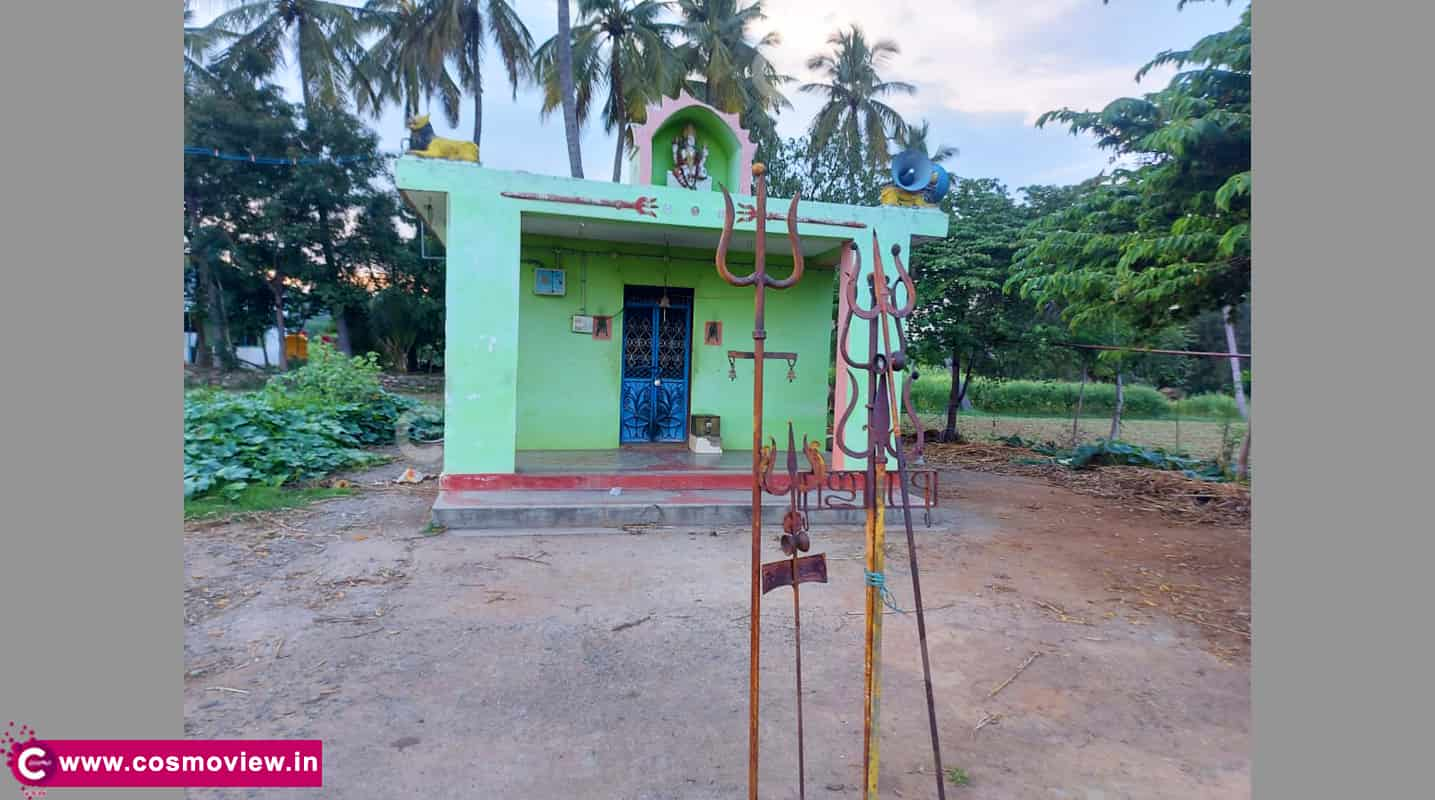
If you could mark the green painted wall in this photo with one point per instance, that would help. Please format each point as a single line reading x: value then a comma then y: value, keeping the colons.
x: 481, y: 333
x: 721, y: 142
x: 568, y: 384
x: 486, y: 293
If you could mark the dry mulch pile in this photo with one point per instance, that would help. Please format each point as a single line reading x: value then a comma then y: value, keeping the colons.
x: 1168, y: 493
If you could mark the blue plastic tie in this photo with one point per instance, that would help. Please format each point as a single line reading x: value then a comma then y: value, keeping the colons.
x: 879, y: 580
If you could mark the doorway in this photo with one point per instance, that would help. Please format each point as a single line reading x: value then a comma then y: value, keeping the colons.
x: 657, y: 356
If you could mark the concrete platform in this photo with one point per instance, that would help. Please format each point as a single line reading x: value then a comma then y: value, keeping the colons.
x: 544, y: 511
x: 631, y: 467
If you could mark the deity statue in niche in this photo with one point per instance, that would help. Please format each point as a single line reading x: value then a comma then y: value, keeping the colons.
x: 690, y: 160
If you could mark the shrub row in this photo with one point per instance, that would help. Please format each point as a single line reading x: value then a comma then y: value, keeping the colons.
x: 1058, y: 398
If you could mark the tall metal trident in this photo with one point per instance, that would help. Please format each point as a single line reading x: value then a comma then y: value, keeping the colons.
x: 884, y: 438
x: 762, y: 281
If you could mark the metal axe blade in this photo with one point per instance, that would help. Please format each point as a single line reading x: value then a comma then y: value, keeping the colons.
x: 790, y: 571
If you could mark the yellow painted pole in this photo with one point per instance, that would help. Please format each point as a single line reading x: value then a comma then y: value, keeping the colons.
x: 876, y: 560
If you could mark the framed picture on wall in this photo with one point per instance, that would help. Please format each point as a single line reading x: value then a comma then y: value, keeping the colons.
x: 603, y: 328
x: 712, y: 332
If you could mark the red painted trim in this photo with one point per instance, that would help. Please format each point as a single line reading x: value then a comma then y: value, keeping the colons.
x: 645, y: 206
x: 747, y: 213
x: 471, y: 482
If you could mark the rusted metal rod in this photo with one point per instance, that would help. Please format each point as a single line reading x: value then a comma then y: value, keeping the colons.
x: 895, y: 361
x: 761, y: 281
x: 885, y: 410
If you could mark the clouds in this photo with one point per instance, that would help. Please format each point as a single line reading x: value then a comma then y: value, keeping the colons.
x: 988, y: 56
x: 985, y: 70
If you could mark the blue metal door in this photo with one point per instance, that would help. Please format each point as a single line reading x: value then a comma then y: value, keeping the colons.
x: 656, y: 347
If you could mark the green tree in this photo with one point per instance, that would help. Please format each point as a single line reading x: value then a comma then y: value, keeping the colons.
x: 338, y: 188
x: 964, y: 318
x: 407, y: 310
x: 725, y: 68
x: 226, y: 200
x: 1169, y: 239
x: 854, y: 111
x: 326, y: 40
x: 914, y: 137
x: 834, y: 173
x: 625, y: 46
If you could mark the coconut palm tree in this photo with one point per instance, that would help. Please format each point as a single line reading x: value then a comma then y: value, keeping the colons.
x: 726, y: 69
x: 462, y: 30
x: 324, y: 38
x: 199, y: 42
x: 914, y: 137
x: 853, y: 110
x: 624, y: 45
x: 564, y: 58
x: 408, y: 62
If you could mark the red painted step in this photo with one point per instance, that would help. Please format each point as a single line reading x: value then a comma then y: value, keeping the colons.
x: 710, y: 479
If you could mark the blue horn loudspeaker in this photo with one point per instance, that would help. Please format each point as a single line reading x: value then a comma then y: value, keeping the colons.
x: 912, y: 171
x: 939, y: 187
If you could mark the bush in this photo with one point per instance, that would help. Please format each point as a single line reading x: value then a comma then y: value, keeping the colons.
x: 932, y: 390
x: 1058, y: 398
x: 1214, y: 406
x: 1038, y: 398
x: 330, y: 376
x: 304, y: 424
x: 233, y: 440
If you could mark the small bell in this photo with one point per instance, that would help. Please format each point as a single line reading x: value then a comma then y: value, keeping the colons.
x: 791, y: 371
x: 731, y: 368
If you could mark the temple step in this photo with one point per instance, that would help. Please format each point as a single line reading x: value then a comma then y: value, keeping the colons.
x: 538, y: 512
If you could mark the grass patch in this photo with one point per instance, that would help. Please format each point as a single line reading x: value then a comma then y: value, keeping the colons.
x: 1204, y: 439
x: 958, y: 776
x: 1059, y: 398
x: 256, y: 497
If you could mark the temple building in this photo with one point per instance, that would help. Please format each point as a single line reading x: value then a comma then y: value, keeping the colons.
x: 588, y: 332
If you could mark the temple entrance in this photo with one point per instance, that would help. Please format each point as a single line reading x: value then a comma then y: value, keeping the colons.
x: 657, y: 353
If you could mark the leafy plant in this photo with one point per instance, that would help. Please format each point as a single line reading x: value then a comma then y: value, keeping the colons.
x: 330, y: 376
x: 234, y: 440
x: 304, y: 424
x: 1118, y: 453
x: 958, y: 776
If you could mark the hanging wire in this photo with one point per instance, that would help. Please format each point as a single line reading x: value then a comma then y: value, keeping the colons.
x: 277, y: 160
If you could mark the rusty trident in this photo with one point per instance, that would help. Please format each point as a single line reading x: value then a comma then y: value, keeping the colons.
x: 759, y: 279
x: 795, y: 569
x: 884, y: 438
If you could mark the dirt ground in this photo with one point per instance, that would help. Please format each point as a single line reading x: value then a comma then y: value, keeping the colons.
x: 615, y: 665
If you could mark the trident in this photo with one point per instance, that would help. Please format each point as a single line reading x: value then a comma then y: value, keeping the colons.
x: 762, y: 281
x: 884, y: 437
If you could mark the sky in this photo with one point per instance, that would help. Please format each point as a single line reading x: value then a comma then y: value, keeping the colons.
x: 984, y: 70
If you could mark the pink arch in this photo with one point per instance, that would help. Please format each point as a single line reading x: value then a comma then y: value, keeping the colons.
x: 643, y: 135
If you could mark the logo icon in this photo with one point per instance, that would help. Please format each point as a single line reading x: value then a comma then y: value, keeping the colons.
x: 30, y: 760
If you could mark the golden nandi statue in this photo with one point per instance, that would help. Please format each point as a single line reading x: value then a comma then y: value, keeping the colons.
x: 424, y: 143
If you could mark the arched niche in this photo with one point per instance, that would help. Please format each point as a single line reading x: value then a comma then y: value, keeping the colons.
x: 729, y: 148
